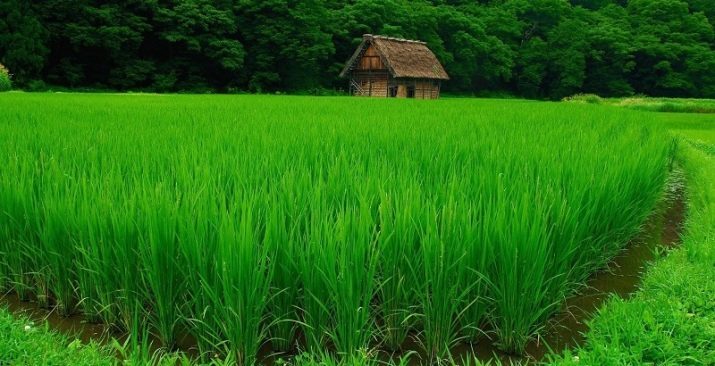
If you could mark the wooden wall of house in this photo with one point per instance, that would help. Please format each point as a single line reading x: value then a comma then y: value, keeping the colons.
x: 372, y: 84
x: 371, y: 60
x: 423, y: 89
x: 370, y: 75
x: 378, y: 83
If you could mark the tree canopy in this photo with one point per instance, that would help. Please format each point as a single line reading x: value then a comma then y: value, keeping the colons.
x: 531, y: 48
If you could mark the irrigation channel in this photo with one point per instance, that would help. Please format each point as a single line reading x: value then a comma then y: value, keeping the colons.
x: 661, y: 232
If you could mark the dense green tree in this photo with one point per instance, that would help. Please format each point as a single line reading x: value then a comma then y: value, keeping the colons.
x: 475, y: 59
x: 95, y: 42
x: 669, y: 43
x: 22, y: 40
x: 609, y: 56
x: 568, y: 43
x: 532, y: 48
x: 289, y: 41
x: 196, y: 44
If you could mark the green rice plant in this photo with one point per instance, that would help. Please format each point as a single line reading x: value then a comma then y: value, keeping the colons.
x: 331, y: 225
x: 57, y: 243
x: 124, y: 282
x: 478, y: 260
x: 521, y: 278
x: 198, y: 240
x: 353, y: 288
x: 283, y: 238
x: 89, y: 262
x: 442, y: 296
x: 239, y: 297
x: 159, y: 252
x: 397, y: 241
x: 8, y: 252
x: 98, y: 284
x: 18, y: 242
x: 316, y: 266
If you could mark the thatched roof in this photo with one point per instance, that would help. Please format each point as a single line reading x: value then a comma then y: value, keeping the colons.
x: 404, y: 58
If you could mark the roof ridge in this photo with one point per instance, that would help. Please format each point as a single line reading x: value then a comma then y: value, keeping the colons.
x: 375, y: 36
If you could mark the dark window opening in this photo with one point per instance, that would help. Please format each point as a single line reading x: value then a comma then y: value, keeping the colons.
x: 410, y: 91
x: 393, y: 91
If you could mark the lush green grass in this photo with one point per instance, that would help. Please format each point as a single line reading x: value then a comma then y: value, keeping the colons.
x: 671, y: 321
x: 23, y: 342
x: 359, y: 222
x: 673, y: 105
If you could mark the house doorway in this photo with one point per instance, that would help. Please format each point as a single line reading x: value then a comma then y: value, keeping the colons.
x: 392, y: 91
x: 410, y: 91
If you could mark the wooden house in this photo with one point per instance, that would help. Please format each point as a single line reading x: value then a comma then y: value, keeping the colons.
x: 395, y: 68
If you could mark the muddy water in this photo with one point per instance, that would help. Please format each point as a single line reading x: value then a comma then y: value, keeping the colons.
x: 73, y: 325
x: 622, y: 276
x: 565, y: 329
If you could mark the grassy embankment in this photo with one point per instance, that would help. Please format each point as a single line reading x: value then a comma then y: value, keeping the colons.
x: 673, y: 105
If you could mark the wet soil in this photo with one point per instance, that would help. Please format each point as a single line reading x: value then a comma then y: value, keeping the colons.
x: 621, y: 277
x: 566, y: 329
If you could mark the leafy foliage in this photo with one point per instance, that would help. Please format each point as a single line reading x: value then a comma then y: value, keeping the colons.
x: 5, y: 82
x: 542, y: 49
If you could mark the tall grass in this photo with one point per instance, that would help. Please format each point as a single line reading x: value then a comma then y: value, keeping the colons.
x: 397, y: 241
x: 323, y: 224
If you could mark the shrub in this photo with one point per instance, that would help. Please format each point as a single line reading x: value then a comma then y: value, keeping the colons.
x: 584, y: 98
x: 5, y: 82
x: 36, y: 86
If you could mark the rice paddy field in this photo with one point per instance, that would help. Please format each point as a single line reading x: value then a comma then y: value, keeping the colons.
x: 324, y: 225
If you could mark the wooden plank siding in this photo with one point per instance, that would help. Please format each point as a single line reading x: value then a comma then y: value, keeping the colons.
x: 371, y: 78
x: 371, y: 75
x: 371, y: 60
x: 423, y: 89
x: 373, y: 84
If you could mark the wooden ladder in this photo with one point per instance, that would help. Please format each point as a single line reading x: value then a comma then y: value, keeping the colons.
x: 356, y: 88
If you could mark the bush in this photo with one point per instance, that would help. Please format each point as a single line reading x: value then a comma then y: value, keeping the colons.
x: 584, y: 98
x: 5, y: 82
x: 36, y: 86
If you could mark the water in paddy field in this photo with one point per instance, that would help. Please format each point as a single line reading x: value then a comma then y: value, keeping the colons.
x: 621, y: 277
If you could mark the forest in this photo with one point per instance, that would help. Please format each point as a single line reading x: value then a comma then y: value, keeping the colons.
x: 529, y: 48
